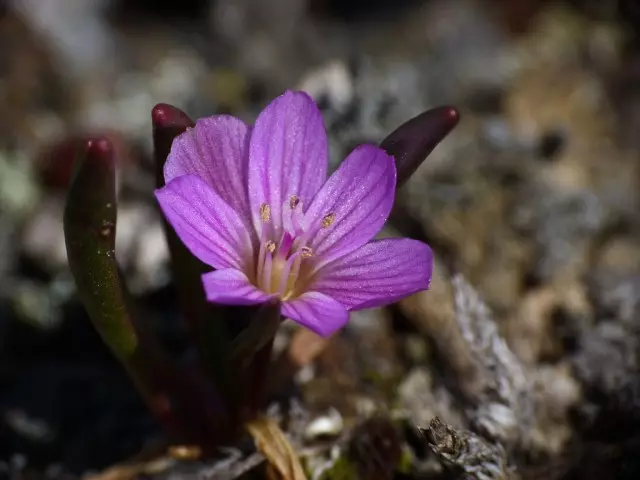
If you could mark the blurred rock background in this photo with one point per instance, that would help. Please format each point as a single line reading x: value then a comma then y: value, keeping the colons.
x: 530, y: 336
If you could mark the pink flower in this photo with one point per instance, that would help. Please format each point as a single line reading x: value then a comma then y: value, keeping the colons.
x: 256, y: 205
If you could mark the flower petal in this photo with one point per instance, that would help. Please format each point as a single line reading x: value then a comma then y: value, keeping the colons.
x: 381, y: 272
x: 288, y: 155
x: 232, y: 287
x: 216, y: 150
x: 318, y: 312
x: 358, y: 198
x: 205, y: 223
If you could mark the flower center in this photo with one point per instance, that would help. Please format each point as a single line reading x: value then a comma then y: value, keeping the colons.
x: 285, y: 265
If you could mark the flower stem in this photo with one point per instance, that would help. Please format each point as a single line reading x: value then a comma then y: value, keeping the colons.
x: 205, y: 321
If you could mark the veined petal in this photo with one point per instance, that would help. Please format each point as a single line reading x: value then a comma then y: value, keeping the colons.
x: 379, y: 273
x: 318, y: 312
x: 232, y: 287
x: 216, y: 150
x: 287, y: 155
x: 205, y: 223
x: 357, y: 199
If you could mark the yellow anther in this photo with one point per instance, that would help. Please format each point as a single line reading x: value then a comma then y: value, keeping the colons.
x: 306, y: 252
x: 294, y: 201
x: 265, y: 212
x: 270, y: 246
x: 328, y: 220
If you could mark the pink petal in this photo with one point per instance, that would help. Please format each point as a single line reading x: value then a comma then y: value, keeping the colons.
x: 288, y: 155
x: 205, y: 223
x: 380, y: 273
x: 231, y: 287
x: 216, y: 150
x: 318, y: 312
x: 359, y: 196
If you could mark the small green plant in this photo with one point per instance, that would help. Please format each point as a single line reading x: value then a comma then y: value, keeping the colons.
x: 255, y: 235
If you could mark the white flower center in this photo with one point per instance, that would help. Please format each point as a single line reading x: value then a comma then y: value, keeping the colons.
x: 284, y: 265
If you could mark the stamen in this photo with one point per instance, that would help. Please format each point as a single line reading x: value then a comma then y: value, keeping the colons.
x: 294, y: 260
x: 265, y: 212
x: 296, y: 267
x: 291, y: 216
x: 297, y: 218
x: 328, y: 220
x: 306, y: 252
x: 270, y: 245
x: 261, y: 255
x: 266, y: 273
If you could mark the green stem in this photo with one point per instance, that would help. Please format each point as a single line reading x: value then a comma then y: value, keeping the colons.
x: 90, y: 230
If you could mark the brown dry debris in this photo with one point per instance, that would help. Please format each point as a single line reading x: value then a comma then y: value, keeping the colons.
x: 271, y: 441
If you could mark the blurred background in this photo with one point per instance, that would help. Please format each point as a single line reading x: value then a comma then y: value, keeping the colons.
x: 534, y: 197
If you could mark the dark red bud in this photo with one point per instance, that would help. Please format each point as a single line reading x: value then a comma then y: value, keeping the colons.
x: 415, y: 139
x: 56, y: 162
x: 164, y: 116
x: 168, y: 122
